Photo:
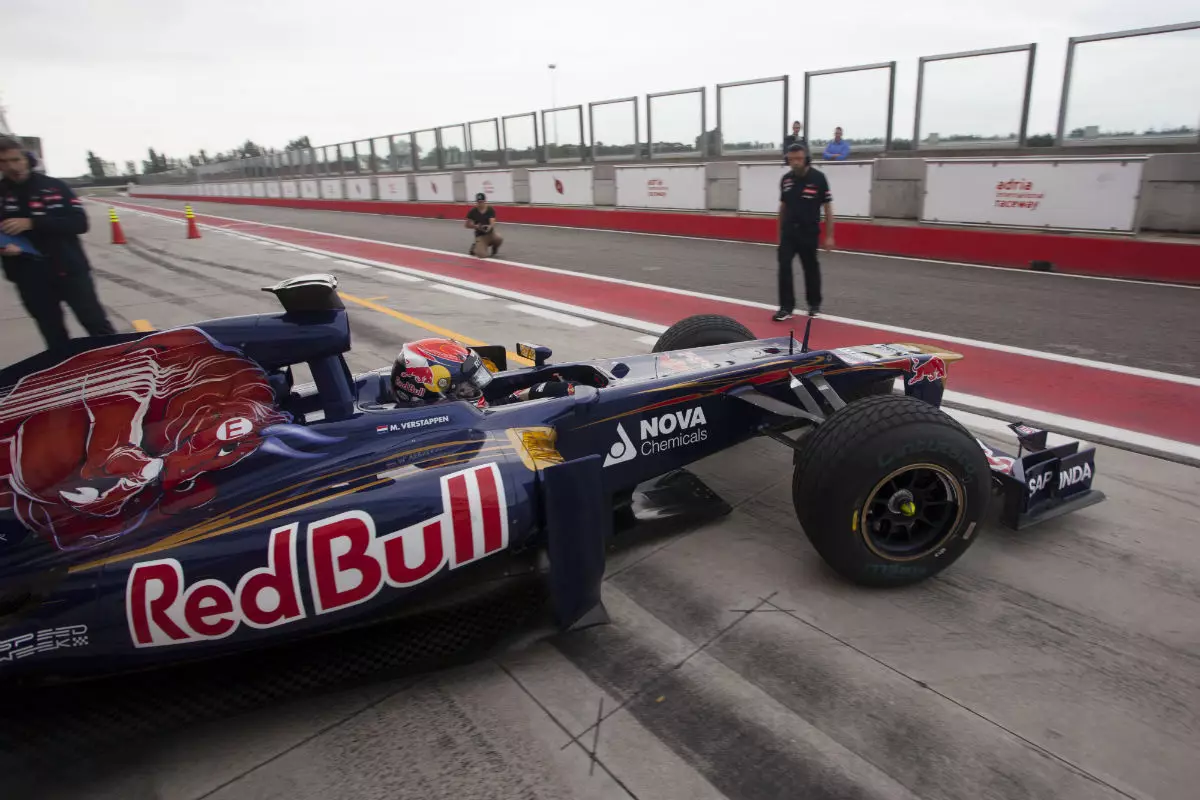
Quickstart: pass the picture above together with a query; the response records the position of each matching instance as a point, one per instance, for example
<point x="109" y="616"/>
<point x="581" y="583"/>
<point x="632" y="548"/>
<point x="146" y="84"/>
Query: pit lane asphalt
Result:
<point x="1134" y="324"/>
<point x="1059" y="662"/>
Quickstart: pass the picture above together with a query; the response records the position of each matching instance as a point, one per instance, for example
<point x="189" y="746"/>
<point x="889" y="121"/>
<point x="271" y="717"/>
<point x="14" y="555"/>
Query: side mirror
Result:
<point x="537" y="353"/>
<point x="316" y="292"/>
<point x="494" y="353"/>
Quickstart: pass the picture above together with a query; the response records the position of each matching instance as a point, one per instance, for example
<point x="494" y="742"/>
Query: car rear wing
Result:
<point x="1044" y="482"/>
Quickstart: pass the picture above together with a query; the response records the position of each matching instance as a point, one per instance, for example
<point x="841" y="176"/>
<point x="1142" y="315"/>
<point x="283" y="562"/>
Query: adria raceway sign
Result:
<point x="496" y="184"/>
<point x="570" y="186"/>
<point x="849" y="182"/>
<point x="681" y="186"/>
<point x="348" y="561"/>
<point x="435" y="187"/>
<point x="1088" y="194"/>
<point x="394" y="188"/>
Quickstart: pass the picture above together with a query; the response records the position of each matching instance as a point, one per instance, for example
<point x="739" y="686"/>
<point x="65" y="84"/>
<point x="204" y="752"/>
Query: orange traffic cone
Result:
<point x="118" y="235"/>
<point x="193" y="231"/>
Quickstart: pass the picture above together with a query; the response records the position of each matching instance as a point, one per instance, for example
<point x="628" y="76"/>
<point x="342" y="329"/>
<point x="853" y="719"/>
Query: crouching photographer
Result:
<point x="483" y="219"/>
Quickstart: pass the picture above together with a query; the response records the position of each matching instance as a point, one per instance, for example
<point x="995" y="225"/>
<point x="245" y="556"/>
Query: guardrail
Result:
<point x="752" y="117"/>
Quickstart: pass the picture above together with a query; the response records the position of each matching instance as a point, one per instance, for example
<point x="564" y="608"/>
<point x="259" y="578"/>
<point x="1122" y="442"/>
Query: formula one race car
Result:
<point x="173" y="494"/>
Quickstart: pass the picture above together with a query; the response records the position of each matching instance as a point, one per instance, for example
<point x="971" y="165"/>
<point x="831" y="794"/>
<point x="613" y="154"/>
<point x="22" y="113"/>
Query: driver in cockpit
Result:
<point x="434" y="370"/>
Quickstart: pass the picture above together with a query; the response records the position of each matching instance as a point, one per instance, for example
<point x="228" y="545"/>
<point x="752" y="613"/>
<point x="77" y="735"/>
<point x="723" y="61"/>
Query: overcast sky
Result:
<point x="119" y="76"/>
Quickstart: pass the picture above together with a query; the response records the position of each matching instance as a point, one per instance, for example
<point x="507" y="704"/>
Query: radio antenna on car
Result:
<point x="791" y="341"/>
<point x="807" y="331"/>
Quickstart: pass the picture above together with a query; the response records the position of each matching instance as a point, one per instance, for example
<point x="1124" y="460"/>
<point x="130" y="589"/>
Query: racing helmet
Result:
<point x="431" y="370"/>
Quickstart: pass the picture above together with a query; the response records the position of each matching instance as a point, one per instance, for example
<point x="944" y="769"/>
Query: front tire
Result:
<point x="890" y="490"/>
<point x="702" y="330"/>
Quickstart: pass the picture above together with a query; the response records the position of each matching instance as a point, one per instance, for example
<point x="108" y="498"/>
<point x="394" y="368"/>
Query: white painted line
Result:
<point x="650" y="340"/>
<point x="396" y="276"/>
<point x="284" y="249"/>
<point x="458" y="290"/>
<point x="1095" y="431"/>
<point x="315" y="255"/>
<point x="1120" y="437"/>
<point x="350" y="264"/>
<point x="551" y="315"/>
<point x="1016" y="270"/>
<point x="1063" y="359"/>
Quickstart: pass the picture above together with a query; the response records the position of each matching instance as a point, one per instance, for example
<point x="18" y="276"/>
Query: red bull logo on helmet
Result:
<point x="933" y="369"/>
<point x="431" y="362"/>
<point x="422" y="375"/>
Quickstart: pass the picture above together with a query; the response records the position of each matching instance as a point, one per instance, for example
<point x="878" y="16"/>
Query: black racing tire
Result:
<point x="890" y="490"/>
<point x="702" y="330"/>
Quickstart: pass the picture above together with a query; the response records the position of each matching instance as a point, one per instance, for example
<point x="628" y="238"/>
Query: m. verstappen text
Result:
<point x="408" y="426"/>
<point x="348" y="564"/>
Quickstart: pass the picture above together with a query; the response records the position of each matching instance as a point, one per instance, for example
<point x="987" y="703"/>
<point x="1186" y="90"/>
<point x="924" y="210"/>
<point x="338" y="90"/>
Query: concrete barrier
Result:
<point x="899" y="184"/>
<point x="1170" y="193"/>
<point x="1167" y="200"/>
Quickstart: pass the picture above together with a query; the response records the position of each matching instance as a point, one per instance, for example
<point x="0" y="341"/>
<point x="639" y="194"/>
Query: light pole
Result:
<point x="554" y="98"/>
<point x="4" y="122"/>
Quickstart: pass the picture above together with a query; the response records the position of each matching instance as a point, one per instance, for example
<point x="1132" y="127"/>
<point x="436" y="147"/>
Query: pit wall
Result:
<point x="1083" y="215"/>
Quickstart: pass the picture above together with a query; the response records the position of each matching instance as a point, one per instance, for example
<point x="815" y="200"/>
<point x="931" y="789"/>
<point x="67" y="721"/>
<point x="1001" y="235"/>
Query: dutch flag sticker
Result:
<point x="381" y="428"/>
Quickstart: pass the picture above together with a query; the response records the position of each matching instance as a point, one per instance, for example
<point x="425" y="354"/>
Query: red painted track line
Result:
<point x="1084" y="254"/>
<point x="1133" y="402"/>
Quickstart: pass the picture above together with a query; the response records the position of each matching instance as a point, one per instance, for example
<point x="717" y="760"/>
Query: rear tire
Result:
<point x="702" y="330"/>
<point x="890" y="490"/>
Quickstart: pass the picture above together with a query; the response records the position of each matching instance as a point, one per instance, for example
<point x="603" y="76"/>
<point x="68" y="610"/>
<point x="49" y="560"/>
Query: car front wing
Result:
<point x="1040" y="482"/>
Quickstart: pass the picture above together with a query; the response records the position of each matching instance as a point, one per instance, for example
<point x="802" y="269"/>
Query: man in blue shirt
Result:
<point x="838" y="149"/>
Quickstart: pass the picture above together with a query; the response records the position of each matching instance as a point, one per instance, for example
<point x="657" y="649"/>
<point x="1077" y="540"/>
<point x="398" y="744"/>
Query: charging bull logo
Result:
<point x="94" y="446"/>
<point x="934" y="369"/>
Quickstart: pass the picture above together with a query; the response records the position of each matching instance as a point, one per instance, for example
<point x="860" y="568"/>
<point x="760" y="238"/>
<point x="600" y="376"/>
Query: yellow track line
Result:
<point x="142" y="325"/>
<point x="429" y="326"/>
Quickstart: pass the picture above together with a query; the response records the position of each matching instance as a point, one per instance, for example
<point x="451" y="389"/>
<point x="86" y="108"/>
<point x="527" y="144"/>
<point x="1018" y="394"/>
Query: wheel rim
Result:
<point x="912" y="512"/>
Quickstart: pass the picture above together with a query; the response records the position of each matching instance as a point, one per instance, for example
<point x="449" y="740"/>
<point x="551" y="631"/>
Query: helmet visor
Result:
<point x="476" y="374"/>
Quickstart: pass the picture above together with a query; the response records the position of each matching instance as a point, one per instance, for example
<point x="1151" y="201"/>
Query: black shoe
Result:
<point x="781" y="315"/>
<point x="495" y="249"/>
<point x="814" y="310"/>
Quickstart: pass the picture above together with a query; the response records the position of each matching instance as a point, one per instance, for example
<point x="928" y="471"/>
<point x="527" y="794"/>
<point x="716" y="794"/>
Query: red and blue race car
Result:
<point x="173" y="495"/>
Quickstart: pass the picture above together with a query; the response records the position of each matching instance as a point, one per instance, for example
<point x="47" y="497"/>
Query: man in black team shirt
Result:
<point x="44" y="212"/>
<point x="795" y="137"/>
<point x="483" y="219"/>
<point x="802" y="193"/>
